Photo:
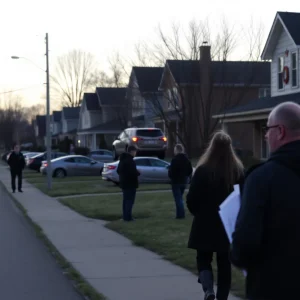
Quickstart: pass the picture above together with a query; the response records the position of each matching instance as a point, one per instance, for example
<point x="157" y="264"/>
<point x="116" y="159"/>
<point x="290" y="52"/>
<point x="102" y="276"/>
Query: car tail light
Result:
<point x="45" y="164"/>
<point x="136" y="138"/>
<point x="163" y="139"/>
<point x="111" y="167"/>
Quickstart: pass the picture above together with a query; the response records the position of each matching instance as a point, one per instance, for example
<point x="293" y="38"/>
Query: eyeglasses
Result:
<point x="267" y="128"/>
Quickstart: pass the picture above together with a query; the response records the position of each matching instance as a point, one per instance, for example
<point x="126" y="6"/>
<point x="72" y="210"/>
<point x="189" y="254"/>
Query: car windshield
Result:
<point x="149" y="132"/>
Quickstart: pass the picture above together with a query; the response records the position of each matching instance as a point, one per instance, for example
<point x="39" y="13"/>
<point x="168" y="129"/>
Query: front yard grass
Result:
<point x="42" y="178"/>
<point x="155" y="228"/>
<point x="60" y="189"/>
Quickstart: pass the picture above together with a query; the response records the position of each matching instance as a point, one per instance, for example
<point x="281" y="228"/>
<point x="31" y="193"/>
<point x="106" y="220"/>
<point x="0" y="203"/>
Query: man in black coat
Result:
<point x="266" y="241"/>
<point x="16" y="162"/>
<point x="128" y="175"/>
<point x="179" y="172"/>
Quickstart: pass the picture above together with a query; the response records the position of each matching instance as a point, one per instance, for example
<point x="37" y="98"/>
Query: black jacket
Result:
<point x="127" y="171"/>
<point x="203" y="200"/>
<point x="180" y="169"/>
<point x="16" y="161"/>
<point x="266" y="241"/>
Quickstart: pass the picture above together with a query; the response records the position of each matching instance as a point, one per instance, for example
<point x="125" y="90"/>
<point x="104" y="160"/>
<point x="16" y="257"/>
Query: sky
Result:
<point x="101" y="27"/>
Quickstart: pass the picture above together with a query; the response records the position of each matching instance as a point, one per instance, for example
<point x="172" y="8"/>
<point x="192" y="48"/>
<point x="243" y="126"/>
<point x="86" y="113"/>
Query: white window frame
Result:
<point x="294" y="86"/>
<point x="277" y="72"/>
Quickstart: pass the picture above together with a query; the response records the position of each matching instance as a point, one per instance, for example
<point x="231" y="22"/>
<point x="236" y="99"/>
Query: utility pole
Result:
<point x="48" y="131"/>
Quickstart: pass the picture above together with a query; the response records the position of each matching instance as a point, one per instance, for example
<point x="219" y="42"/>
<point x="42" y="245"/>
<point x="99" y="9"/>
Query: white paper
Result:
<point x="229" y="210"/>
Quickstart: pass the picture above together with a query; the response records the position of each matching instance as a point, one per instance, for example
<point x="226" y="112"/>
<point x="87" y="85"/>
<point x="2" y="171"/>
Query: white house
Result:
<point x="282" y="48"/>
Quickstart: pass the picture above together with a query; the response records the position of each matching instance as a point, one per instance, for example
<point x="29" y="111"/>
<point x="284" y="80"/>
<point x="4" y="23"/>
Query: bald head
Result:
<point x="287" y="114"/>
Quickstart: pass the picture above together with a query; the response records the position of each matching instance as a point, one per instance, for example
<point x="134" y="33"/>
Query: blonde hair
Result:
<point x="221" y="159"/>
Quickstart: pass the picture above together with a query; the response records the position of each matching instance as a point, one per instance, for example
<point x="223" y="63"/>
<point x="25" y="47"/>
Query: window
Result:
<point x="294" y="70"/>
<point x="280" y="73"/>
<point x="142" y="162"/>
<point x="158" y="163"/>
<point x="149" y="132"/>
<point x="82" y="160"/>
<point x="264" y="92"/>
<point x="70" y="160"/>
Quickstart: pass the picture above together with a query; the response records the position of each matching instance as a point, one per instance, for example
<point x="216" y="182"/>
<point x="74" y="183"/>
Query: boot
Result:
<point x="207" y="280"/>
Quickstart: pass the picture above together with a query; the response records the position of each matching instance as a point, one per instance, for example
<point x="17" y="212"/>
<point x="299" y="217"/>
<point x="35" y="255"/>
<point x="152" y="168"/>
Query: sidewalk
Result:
<point x="107" y="260"/>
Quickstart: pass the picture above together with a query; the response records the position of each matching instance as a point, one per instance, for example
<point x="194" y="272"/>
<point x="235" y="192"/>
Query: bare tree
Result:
<point x="73" y="76"/>
<point x="32" y="111"/>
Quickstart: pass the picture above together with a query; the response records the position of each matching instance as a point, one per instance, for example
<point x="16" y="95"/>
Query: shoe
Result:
<point x="207" y="281"/>
<point x="209" y="296"/>
<point x="20" y="191"/>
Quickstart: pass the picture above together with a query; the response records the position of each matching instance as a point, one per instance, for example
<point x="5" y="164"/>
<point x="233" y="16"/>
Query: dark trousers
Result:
<point x="128" y="202"/>
<point x="14" y="174"/>
<point x="178" y="191"/>
<point x="204" y="260"/>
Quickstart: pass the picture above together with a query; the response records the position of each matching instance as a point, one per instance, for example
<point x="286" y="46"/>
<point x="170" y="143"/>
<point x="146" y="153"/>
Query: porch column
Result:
<point x="224" y="126"/>
<point x="94" y="142"/>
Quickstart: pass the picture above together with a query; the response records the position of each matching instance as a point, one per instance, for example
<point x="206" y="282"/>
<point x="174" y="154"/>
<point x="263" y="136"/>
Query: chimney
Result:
<point x="205" y="52"/>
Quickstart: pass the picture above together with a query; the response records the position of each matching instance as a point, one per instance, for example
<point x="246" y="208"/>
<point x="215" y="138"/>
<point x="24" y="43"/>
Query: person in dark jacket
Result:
<point x="128" y="175"/>
<point x="217" y="171"/>
<point x="179" y="172"/>
<point x="266" y="241"/>
<point x="16" y="162"/>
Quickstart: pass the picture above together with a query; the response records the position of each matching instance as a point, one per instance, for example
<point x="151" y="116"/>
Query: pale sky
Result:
<point x="101" y="27"/>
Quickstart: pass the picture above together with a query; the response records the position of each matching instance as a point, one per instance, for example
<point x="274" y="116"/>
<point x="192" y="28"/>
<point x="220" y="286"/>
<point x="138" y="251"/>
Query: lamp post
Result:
<point x="48" y="131"/>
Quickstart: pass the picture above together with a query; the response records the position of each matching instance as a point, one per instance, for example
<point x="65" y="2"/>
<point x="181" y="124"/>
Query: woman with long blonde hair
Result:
<point x="217" y="171"/>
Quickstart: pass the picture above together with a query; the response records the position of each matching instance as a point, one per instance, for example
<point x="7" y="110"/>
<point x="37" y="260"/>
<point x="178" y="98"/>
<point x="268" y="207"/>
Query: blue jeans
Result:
<point x="128" y="201"/>
<point x="178" y="190"/>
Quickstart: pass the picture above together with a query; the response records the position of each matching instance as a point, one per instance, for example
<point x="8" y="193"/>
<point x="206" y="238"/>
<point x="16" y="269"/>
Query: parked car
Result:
<point x="152" y="169"/>
<point x="148" y="141"/>
<point x="35" y="162"/>
<point x="101" y="155"/>
<point x="29" y="155"/>
<point x="73" y="165"/>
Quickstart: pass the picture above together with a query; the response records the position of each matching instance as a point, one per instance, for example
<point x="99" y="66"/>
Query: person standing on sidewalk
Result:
<point x="266" y="240"/>
<point x="128" y="175"/>
<point x="16" y="162"/>
<point x="217" y="171"/>
<point x="180" y="171"/>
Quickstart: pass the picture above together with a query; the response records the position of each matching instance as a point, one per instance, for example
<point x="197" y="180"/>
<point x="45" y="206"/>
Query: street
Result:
<point x="28" y="271"/>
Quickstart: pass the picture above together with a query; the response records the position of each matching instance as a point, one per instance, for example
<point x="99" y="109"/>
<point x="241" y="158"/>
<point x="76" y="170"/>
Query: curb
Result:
<point x="84" y="289"/>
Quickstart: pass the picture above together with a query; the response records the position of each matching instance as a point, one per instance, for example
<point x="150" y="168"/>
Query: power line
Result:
<point x="26" y="88"/>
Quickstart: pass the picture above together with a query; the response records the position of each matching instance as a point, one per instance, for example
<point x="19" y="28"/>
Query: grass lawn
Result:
<point x="93" y="187"/>
<point x="155" y="228"/>
<point x="41" y="179"/>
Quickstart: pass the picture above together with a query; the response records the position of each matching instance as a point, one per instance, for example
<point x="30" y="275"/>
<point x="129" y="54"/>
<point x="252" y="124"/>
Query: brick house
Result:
<point x="193" y="91"/>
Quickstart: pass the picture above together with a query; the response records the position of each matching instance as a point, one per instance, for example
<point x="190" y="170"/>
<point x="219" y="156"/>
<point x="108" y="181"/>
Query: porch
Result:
<point x="100" y="136"/>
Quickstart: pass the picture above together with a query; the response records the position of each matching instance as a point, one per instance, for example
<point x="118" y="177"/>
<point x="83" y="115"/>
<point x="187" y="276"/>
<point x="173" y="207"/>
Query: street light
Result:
<point x="48" y="132"/>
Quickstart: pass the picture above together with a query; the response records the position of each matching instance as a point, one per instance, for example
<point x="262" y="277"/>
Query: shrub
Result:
<point x="82" y="151"/>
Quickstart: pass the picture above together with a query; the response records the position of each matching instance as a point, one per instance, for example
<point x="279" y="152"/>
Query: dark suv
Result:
<point x="148" y="141"/>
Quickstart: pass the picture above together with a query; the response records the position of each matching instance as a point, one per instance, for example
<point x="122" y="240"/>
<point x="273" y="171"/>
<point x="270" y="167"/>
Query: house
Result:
<point x="40" y="130"/>
<point x="282" y="48"/>
<point x="142" y="95"/>
<point x="194" y="90"/>
<point x="69" y="122"/>
<point x="103" y="115"/>
<point x="56" y="128"/>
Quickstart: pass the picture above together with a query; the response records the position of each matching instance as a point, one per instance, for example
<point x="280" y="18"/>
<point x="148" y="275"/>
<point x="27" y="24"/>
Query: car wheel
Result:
<point x="115" y="155"/>
<point x="60" y="173"/>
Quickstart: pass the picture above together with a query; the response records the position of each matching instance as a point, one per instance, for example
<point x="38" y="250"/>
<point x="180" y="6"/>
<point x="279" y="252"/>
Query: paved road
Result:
<point x="27" y="269"/>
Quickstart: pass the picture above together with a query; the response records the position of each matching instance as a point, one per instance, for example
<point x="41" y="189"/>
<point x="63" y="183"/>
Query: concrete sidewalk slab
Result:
<point x="106" y="259"/>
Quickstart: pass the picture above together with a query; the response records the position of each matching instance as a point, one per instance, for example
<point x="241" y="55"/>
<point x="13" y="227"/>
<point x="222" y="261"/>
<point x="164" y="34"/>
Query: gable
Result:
<point x="284" y="22"/>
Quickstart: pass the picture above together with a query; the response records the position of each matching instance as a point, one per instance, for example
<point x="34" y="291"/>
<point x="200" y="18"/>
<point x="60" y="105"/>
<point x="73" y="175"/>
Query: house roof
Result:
<point x="111" y="96"/>
<point x="223" y="72"/>
<point x="148" y="78"/>
<point x="71" y="112"/>
<point x="41" y="124"/>
<point x="111" y="126"/>
<point x="266" y="104"/>
<point x="56" y="116"/>
<point x="92" y="101"/>
<point x="289" y="21"/>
